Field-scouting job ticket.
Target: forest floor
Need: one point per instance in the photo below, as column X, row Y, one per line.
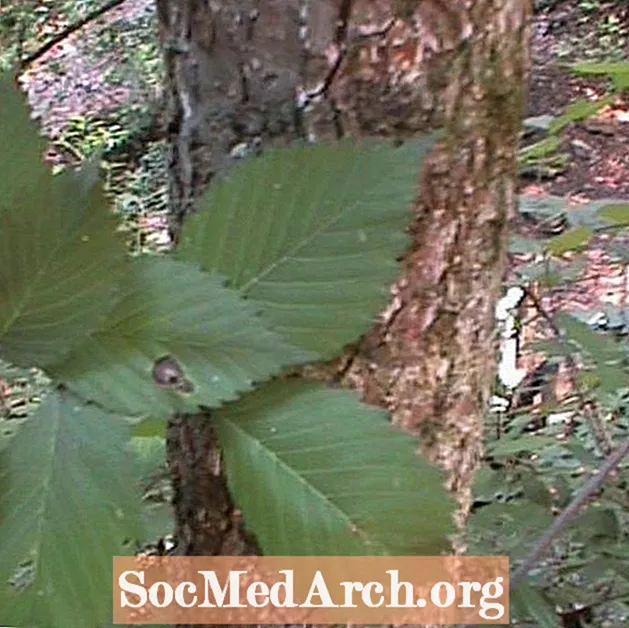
column 591, row 160
column 95, row 70
column 90, row 74
column 86, row 76
column 598, row 149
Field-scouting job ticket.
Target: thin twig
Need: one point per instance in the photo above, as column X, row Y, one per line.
column 57, row 39
column 568, row 514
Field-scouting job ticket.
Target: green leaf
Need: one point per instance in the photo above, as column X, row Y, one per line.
column 618, row 253
column 562, row 491
column 536, row 491
column 157, row 512
column 620, row 80
column 21, row 135
column 553, row 347
column 311, row 235
column 607, row 354
column 159, row 521
column 68, row 501
column 601, row 347
column 170, row 308
column 552, row 271
column 60, row 258
column 317, row 472
column 618, row 551
column 570, row 240
column 578, row 111
column 150, row 427
column 488, row 482
column 150, row 455
column 570, row 271
column 596, row 525
column 611, row 378
column 618, row 72
column 608, row 68
column 588, row 214
column 528, row 602
column 539, row 150
column 616, row 213
column 515, row 525
column 601, row 566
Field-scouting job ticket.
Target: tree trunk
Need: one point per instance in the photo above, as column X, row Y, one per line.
column 237, row 73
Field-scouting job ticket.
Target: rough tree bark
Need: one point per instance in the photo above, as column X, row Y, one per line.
column 237, row 71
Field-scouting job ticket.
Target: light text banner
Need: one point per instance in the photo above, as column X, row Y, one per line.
column 311, row 590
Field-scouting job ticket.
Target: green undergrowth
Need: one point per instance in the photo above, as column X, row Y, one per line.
column 540, row 453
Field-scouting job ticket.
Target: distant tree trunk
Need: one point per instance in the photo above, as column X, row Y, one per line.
column 390, row 68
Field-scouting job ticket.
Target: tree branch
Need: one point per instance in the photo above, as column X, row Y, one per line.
column 569, row 513
column 90, row 17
